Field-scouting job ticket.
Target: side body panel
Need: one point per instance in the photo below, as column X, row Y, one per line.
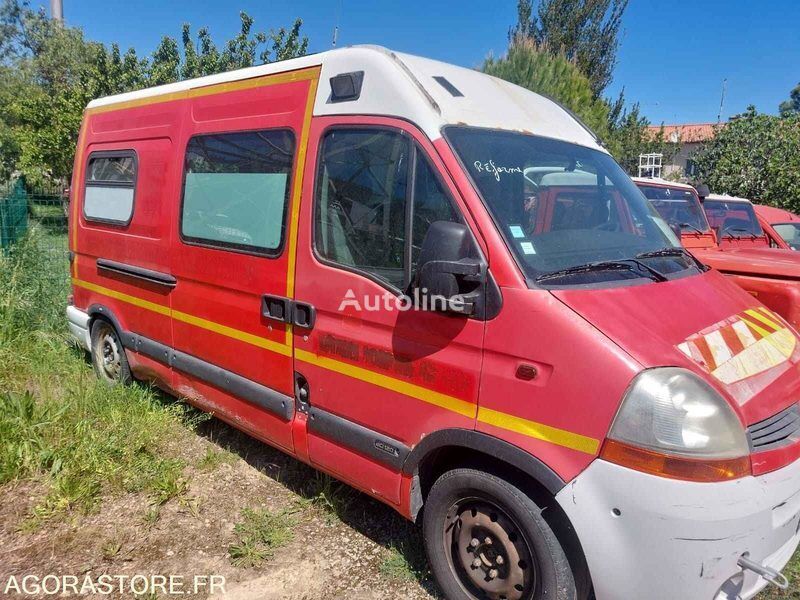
column 379, row 380
column 217, row 302
column 136, row 304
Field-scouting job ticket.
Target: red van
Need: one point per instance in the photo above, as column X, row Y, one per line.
column 440, row 288
column 771, row 275
column 781, row 226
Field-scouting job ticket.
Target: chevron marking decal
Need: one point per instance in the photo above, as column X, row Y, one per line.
column 741, row 346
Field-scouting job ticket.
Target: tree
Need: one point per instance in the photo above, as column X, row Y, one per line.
column 539, row 70
column 792, row 105
column 586, row 31
column 624, row 131
column 630, row 136
column 755, row 156
column 49, row 72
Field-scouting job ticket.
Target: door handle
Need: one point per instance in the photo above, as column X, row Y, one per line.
column 277, row 308
column 286, row 310
column 304, row 315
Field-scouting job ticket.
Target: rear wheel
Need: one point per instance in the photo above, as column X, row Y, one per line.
column 487, row 540
column 108, row 355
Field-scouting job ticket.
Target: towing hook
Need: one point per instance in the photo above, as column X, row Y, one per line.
column 772, row 576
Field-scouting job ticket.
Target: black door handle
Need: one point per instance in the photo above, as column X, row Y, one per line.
column 304, row 315
column 277, row 308
column 286, row 310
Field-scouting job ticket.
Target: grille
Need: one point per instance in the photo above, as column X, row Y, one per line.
column 777, row 431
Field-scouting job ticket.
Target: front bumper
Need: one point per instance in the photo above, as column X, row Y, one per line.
column 78, row 322
column 650, row 537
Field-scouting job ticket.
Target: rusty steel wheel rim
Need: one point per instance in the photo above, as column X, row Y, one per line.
column 108, row 358
column 487, row 551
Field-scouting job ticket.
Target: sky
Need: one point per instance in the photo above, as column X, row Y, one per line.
column 673, row 56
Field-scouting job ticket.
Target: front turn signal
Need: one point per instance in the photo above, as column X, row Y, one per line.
column 675, row 467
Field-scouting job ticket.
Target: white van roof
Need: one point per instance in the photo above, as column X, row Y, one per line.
column 663, row 182
column 726, row 198
column 412, row 88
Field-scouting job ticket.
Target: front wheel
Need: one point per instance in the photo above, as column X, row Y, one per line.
column 108, row 355
column 486, row 539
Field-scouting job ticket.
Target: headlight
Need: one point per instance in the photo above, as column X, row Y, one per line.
column 674, row 424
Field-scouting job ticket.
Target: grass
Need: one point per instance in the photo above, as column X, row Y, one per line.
column 259, row 535
column 213, row 459
column 58, row 423
column 405, row 562
column 61, row 427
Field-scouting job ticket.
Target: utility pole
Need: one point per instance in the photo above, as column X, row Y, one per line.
column 722, row 100
column 57, row 11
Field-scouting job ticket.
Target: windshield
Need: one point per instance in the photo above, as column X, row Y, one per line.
column 677, row 205
column 562, row 206
column 733, row 218
column 790, row 232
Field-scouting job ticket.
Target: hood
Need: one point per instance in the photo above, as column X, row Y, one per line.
column 767, row 262
column 705, row 324
column 692, row 240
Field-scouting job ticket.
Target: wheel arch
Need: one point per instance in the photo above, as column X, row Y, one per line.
column 101, row 311
column 450, row 448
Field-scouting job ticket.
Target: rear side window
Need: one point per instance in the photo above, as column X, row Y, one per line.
column 110, row 187
column 236, row 190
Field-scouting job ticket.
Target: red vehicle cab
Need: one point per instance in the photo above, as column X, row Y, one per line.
column 781, row 226
column 772, row 276
column 735, row 222
column 440, row 288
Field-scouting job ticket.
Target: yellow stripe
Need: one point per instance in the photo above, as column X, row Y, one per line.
column 236, row 334
column 77, row 185
column 230, row 332
column 151, row 306
column 760, row 330
column 768, row 322
column 502, row 420
column 450, row 403
column 532, row 429
column 560, row 437
column 218, row 88
column 297, row 194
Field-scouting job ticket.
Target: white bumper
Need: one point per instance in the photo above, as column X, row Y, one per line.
column 78, row 322
column 674, row 539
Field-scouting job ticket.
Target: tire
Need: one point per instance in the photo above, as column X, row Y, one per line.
column 486, row 540
column 108, row 355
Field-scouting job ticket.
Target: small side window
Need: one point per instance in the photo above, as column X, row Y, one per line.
column 236, row 190
column 110, row 187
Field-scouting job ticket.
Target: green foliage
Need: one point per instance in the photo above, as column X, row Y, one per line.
column 59, row 425
column 584, row 31
column 258, row 535
column 629, row 137
column 791, row 106
column 49, row 73
column 552, row 75
column 623, row 130
column 755, row 156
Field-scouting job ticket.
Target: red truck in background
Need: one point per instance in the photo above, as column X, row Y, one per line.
column 727, row 236
column 781, row 226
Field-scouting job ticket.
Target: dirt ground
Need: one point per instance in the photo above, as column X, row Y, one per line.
column 344, row 543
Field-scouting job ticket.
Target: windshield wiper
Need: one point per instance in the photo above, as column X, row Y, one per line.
column 672, row 251
column 629, row 264
column 690, row 226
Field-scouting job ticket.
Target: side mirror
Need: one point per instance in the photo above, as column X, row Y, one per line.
column 449, row 278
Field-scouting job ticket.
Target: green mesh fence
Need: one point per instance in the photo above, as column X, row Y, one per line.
column 13, row 215
column 39, row 211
